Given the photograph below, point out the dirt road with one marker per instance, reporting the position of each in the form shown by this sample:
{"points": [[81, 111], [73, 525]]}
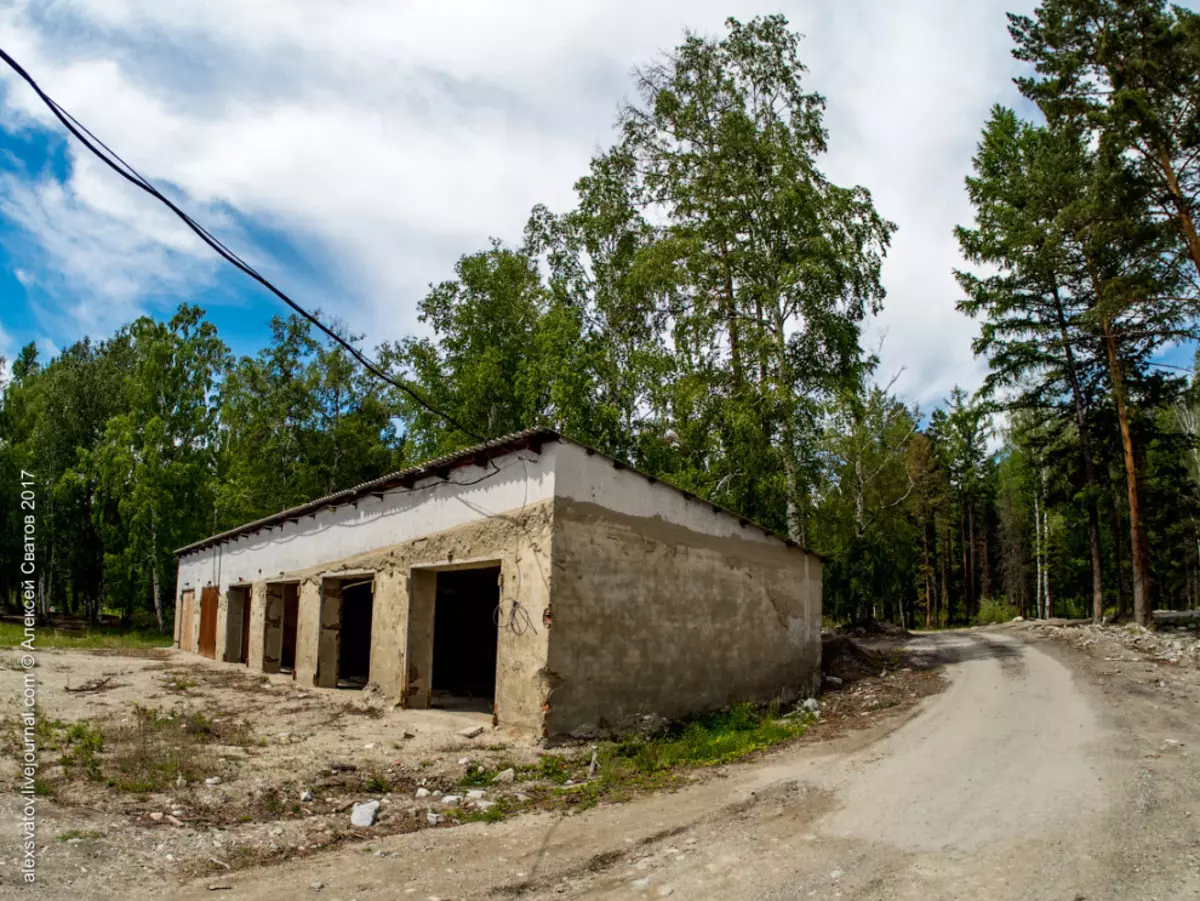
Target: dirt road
{"points": [[1029, 778]]}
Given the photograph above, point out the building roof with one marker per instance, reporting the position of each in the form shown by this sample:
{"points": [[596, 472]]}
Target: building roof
{"points": [[477, 454]]}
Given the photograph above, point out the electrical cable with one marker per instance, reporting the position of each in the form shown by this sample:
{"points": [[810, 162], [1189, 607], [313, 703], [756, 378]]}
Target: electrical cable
{"points": [[111, 159]]}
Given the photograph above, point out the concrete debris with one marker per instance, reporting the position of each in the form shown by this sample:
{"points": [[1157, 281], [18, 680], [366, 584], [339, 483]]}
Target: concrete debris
{"points": [[213, 780], [811, 705], [471, 731], [432, 818], [475, 794], [450, 800], [306, 796], [1176, 646], [364, 814], [505, 776]]}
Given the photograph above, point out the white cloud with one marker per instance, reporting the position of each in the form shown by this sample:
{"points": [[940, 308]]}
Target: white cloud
{"points": [[394, 137]]}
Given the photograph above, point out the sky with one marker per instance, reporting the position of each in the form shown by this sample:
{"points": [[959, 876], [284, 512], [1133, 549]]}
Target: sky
{"points": [[352, 151]]}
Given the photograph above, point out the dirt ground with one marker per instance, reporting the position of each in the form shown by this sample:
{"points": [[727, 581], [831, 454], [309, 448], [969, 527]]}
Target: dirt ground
{"points": [[269, 772]]}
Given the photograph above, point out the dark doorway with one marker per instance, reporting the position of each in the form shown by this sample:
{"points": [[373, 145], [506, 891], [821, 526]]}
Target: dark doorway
{"points": [[237, 624], [464, 638], [291, 615], [354, 651]]}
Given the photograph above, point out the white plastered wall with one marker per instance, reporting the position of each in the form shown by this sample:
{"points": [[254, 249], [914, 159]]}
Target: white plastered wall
{"points": [[432, 505], [593, 479]]}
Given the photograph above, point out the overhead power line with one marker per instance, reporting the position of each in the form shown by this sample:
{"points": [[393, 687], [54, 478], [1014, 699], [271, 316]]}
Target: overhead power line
{"points": [[113, 160]]}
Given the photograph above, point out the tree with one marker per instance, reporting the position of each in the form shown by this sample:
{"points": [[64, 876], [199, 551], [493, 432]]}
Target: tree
{"points": [[1129, 70], [156, 460], [768, 267]]}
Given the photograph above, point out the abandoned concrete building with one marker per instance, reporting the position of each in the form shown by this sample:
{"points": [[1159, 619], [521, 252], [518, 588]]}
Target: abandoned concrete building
{"points": [[530, 576]]}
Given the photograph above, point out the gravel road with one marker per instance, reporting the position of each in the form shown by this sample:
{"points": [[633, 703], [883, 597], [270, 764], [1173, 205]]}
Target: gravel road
{"points": [[1043, 772]]}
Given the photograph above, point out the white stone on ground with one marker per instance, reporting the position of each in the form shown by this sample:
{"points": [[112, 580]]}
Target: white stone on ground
{"points": [[364, 814]]}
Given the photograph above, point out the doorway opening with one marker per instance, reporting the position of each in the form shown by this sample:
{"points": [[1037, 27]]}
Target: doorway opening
{"points": [[291, 615], [355, 599], [237, 624], [464, 639]]}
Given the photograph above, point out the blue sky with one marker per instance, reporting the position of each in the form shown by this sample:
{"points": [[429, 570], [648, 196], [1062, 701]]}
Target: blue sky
{"points": [[353, 151]]}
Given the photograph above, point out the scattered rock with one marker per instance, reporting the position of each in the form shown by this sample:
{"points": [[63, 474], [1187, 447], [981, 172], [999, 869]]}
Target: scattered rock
{"points": [[422, 793], [364, 814], [433, 818], [306, 796], [316, 886], [665, 891], [507, 775], [213, 780], [157, 817], [484, 805], [219, 887], [450, 800], [811, 705], [407, 734], [475, 794], [464, 761], [471, 731], [173, 820], [278, 830]]}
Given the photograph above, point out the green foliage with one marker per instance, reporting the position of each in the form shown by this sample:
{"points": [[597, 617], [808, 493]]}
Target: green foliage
{"points": [[994, 610], [713, 739]]}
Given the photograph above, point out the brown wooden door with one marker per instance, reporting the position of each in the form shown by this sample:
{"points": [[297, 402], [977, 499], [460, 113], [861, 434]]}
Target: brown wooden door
{"points": [[187, 625], [208, 622]]}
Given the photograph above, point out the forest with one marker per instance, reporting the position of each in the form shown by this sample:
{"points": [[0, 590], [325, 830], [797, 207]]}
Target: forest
{"points": [[700, 313]]}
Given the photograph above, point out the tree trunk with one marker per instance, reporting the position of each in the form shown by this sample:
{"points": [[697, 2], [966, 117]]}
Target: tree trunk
{"points": [[1114, 525], [154, 587], [1187, 226], [962, 537], [731, 321], [1037, 551], [928, 574], [985, 569], [1141, 600], [944, 612], [1089, 466], [1046, 566]]}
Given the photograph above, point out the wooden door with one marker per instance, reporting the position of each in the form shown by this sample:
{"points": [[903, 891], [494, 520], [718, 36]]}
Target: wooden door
{"points": [[208, 622], [187, 625]]}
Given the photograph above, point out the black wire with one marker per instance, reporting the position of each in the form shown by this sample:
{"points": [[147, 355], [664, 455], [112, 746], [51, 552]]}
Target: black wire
{"points": [[135, 178]]}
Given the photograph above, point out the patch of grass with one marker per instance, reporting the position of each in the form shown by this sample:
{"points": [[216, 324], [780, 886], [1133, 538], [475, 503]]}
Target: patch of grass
{"points": [[376, 784], [157, 748], [177, 682], [83, 744], [12, 634], [43, 788], [713, 739], [83, 834]]}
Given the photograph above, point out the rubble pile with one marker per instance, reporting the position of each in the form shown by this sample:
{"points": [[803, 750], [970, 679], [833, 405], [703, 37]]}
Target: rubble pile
{"points": [[1166, 645]]}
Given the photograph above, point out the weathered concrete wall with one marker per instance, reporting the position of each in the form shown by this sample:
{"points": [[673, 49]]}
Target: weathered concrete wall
{"points": [[653, 617], [518, 541]]}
